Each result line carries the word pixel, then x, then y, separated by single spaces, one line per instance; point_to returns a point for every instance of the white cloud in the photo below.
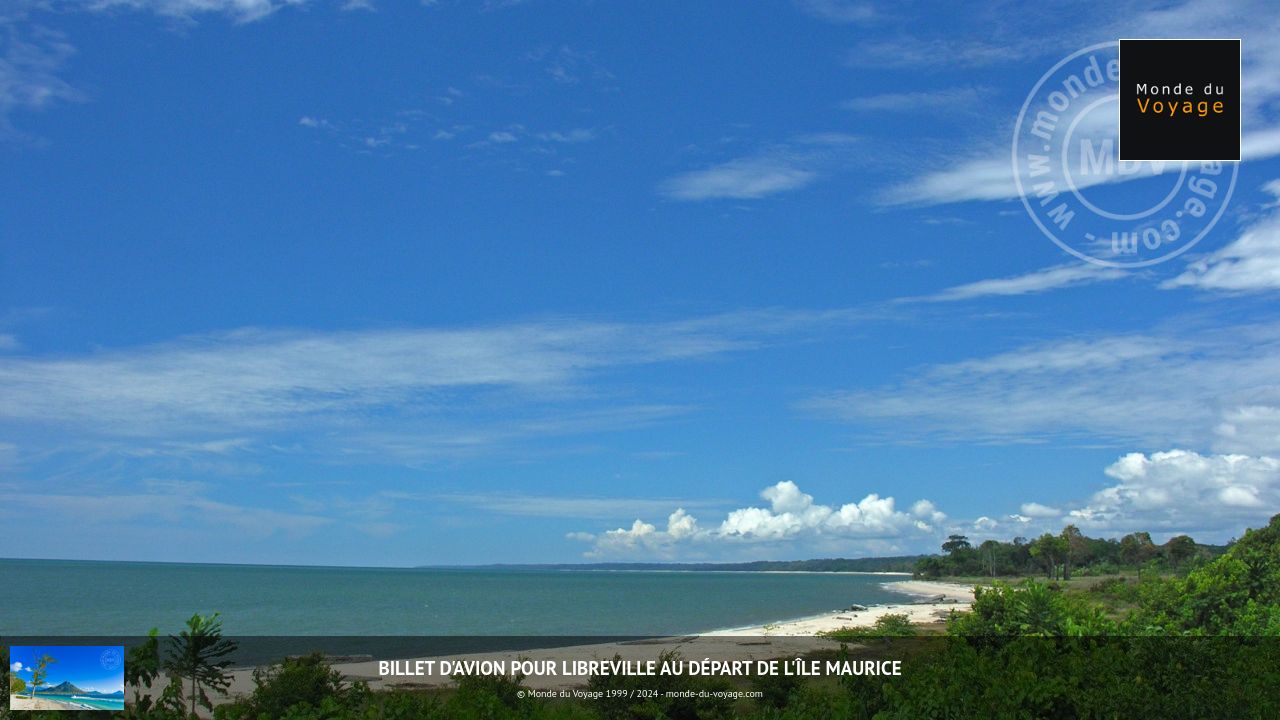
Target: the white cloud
pixel 952 52
pixel 789 166
pixel 744 178
pixel 1249 263
pixel 566 66
pixel 319 123
pixel 838 11
pixel 984 524
pixel 174 503
pixel 576 135
pixel 561 506
pixel 30 59
pixel 988 175
pixel 239 10
pixel 791 514
pixel 949 99
pixel 15 666
pixel 1184 491
pixel 1036 510
pixel 502 136
pixel 1201 386
pixel 1050 278
pixel 416 394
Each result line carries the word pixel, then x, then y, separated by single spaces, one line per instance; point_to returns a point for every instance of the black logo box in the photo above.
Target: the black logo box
pixel 1180 65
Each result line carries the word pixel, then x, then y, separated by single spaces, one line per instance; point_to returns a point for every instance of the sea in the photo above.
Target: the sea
pixel 87 703
pixel 84 598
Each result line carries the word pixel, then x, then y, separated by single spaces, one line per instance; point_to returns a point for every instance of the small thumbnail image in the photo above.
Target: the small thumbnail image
pixel 66 677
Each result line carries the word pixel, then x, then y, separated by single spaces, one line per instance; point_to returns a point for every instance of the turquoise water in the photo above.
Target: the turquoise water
pixel 87 702
pixel 41 597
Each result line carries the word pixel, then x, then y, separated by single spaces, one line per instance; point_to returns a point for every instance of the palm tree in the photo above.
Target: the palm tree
pixel 197 655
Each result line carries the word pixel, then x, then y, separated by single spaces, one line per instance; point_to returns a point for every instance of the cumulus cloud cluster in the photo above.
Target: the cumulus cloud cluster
pixel 791 514
pixel 1185 490
pixel 1174 491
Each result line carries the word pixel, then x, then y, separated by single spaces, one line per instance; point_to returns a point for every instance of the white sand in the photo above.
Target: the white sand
pixel 24 702
pixel 925 588
pixel 956 597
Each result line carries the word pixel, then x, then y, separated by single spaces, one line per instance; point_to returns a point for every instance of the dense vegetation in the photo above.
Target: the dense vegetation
pixel 1201 643
pixel 1063 555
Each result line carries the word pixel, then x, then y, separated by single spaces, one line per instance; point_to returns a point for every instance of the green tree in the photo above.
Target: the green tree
pixel 16 685
pixel 956 544
pixel 1180 548
pixel 929 567
pixel 1048 549
pixel 198 656
pixel 1073 546
pixel 1136 548
pixel 988 550
pixel 40 673
pixel 296 683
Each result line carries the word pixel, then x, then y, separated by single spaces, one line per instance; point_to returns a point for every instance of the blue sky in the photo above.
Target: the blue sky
pixel 405 283
pixel 80 665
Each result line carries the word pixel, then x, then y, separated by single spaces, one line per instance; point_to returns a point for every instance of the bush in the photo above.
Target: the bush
pixel 891 625
pixel 302 682
pixel 1033 609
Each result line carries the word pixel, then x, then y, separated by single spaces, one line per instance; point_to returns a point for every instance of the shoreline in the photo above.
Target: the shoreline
pixel 947 597
pixel 22 702
pixel 743 572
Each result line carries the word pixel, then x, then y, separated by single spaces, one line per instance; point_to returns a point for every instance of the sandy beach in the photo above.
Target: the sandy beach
pixel 947 597
pixel 24 702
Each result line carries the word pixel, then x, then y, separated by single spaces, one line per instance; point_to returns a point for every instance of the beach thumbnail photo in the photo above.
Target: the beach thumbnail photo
pixel 66 677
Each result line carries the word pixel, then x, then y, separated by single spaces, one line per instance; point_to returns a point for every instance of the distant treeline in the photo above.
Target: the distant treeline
pixel 1061 555
pixel 901 563
pixel 1054 556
